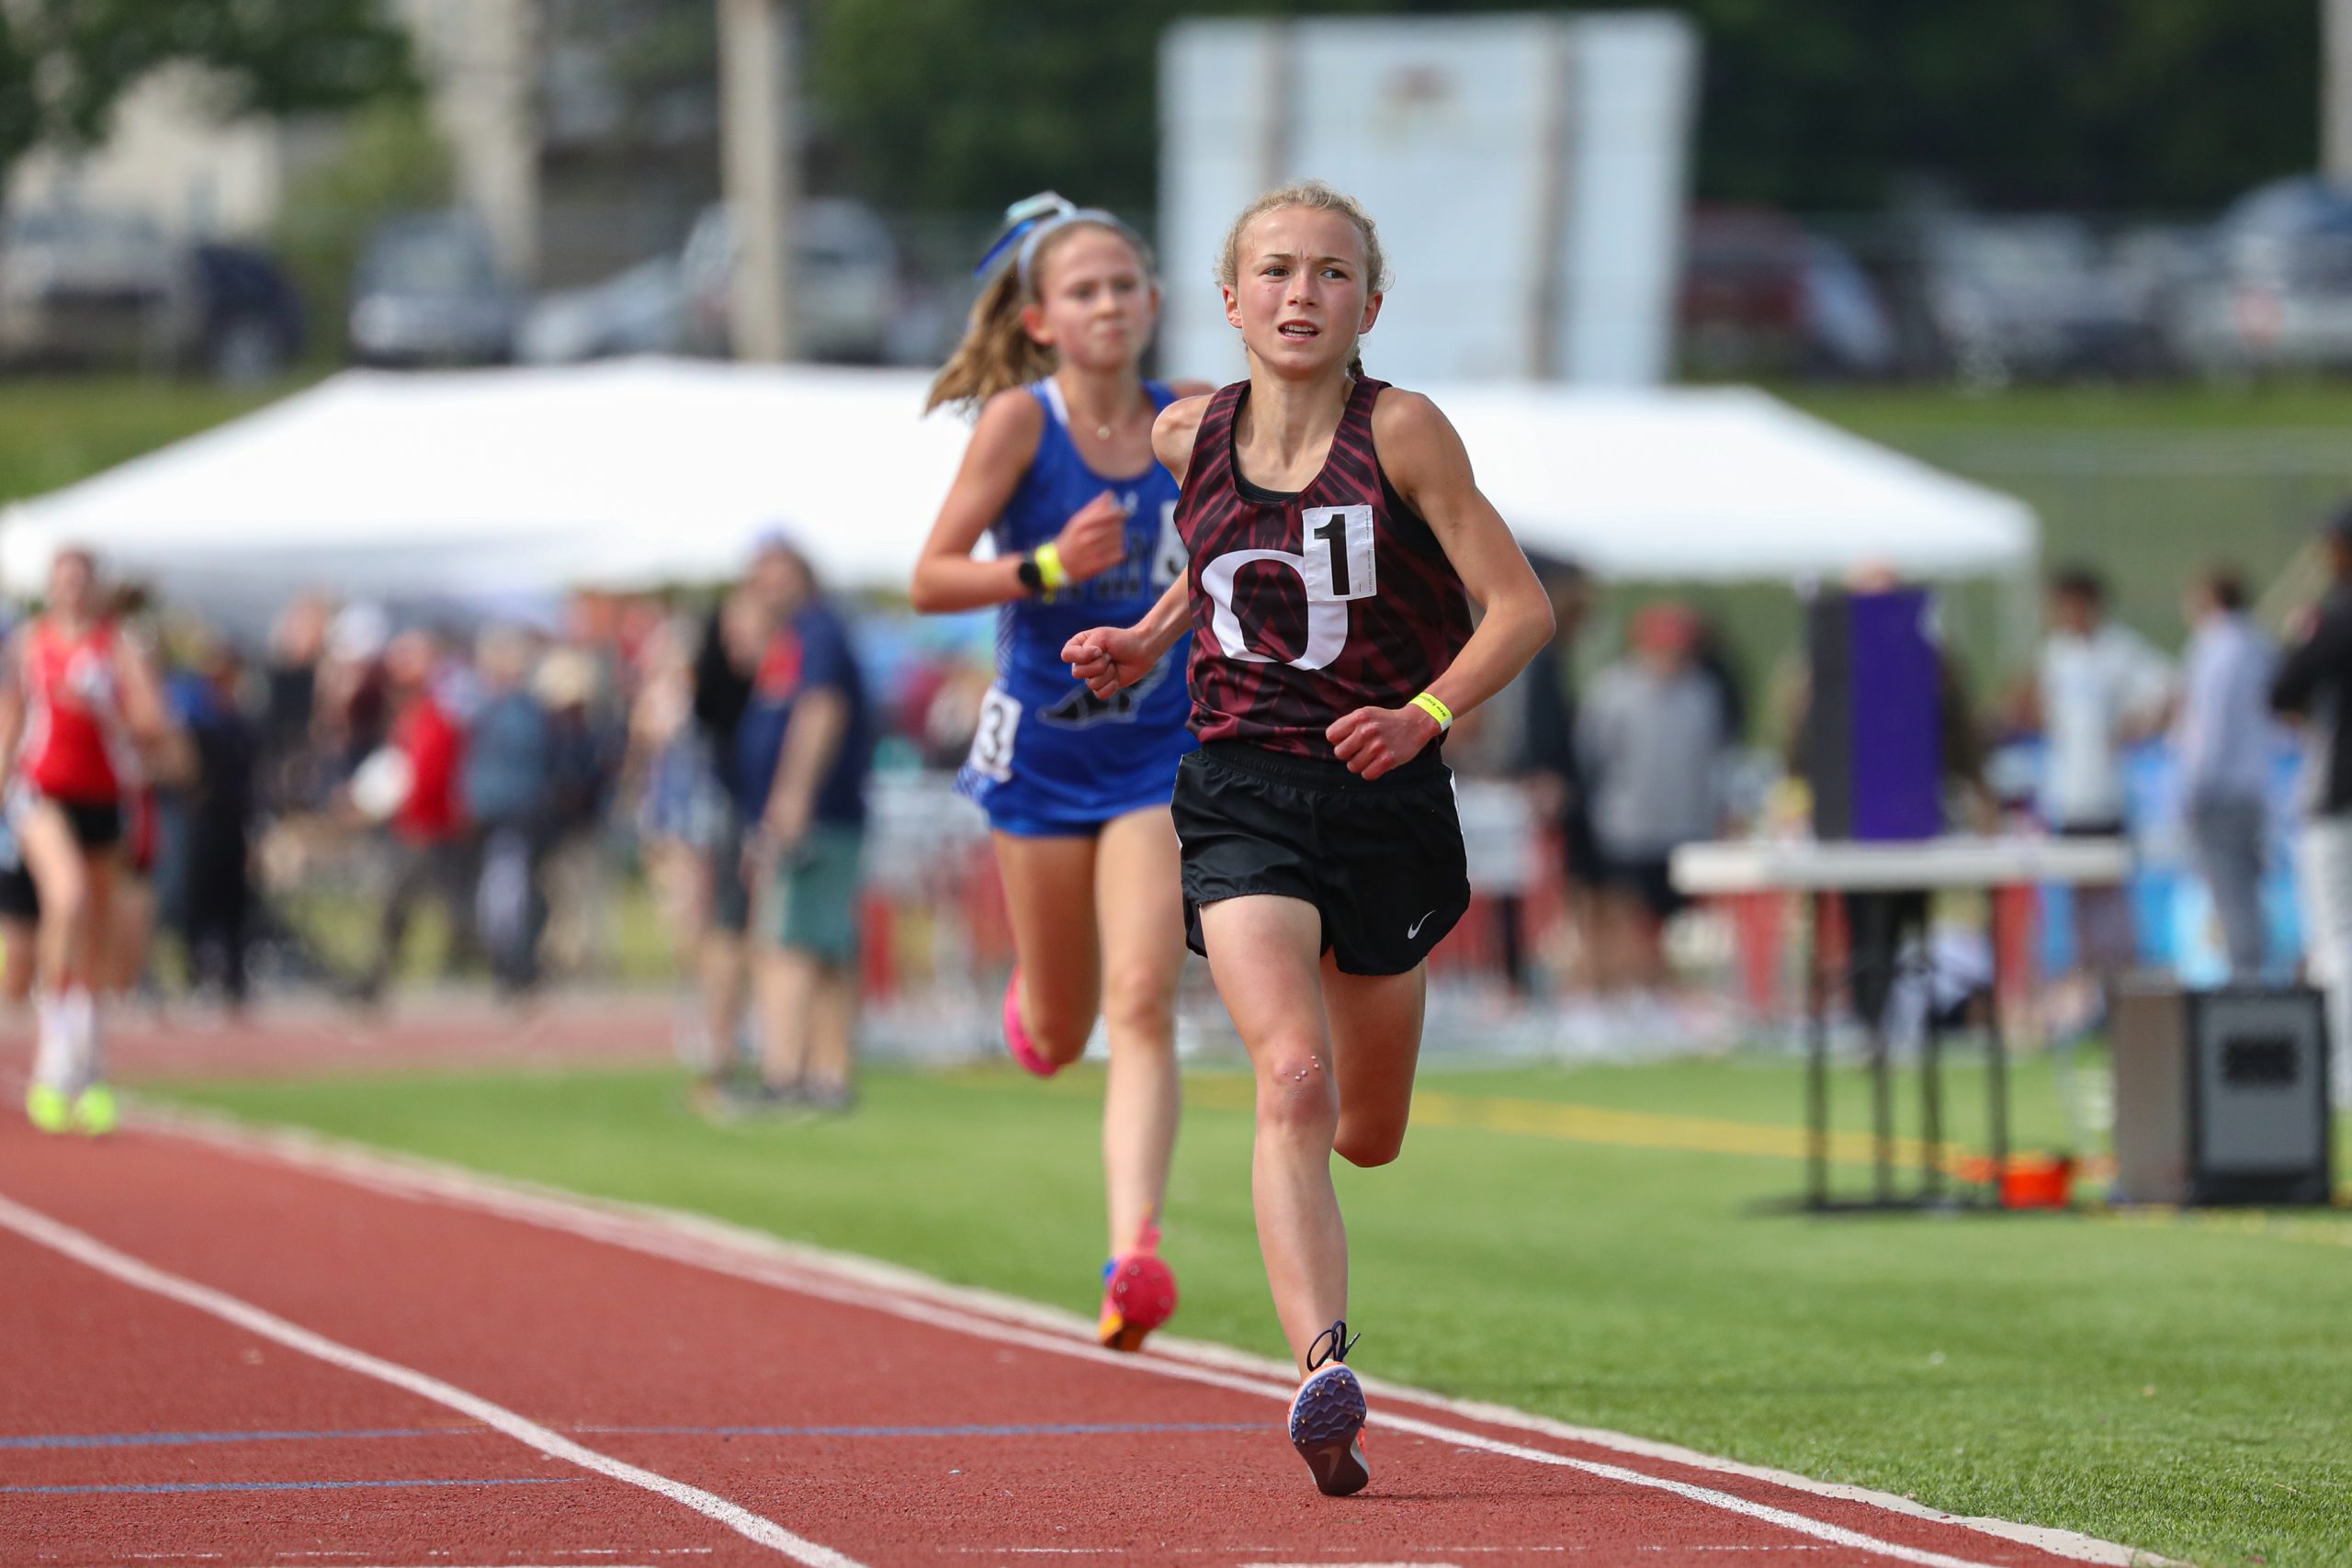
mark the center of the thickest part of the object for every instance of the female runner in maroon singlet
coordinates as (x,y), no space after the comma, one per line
(1337,541)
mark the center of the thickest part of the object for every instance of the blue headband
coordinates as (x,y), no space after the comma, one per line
(1038,216)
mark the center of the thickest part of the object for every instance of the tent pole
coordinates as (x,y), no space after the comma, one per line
(2021,611)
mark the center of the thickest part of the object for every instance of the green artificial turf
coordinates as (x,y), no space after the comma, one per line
(55,429)
(2181,1383)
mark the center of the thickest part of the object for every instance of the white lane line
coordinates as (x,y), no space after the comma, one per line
(846,1280)
(88,1250)
(1836,1535)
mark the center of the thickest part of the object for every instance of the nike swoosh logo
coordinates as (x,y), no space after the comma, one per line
(1415,929)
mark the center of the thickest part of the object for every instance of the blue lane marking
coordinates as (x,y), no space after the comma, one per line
(1043,1429)
(295,1485)
(177,1440)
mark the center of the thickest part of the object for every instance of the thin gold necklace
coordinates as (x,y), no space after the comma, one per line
(1101,433)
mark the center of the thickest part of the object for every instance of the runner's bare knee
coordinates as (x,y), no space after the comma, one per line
(1369,1141)
(1138,1004)
(1057,1021)
(1296,1097)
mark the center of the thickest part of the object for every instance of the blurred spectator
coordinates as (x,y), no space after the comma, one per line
(682,809)
(131,936)
(2101,689)
(430,845)
(2222,732)
(582,765)
(1885,923)
(1550,770)
(294,775)
(507,785)
(19,919)
(733,637)
(1711,655)
(802,755)
(214,908)
(19,899)
(355,703)
(2314,684)
(952,714)
(1653,740)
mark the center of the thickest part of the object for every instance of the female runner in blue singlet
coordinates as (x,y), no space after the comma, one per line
(1060,475)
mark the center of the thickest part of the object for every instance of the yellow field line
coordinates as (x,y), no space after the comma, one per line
(1569,1123)
(2237,1222)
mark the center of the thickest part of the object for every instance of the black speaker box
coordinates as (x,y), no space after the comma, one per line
(2221,1095)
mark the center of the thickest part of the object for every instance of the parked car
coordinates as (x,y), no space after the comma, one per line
(428,291)
(86,289)
(1760,294)
(844,302)
(82,288)
(845,282)
(251,327)
(2032,298)
(641,311)
(2274,289)
(845,295)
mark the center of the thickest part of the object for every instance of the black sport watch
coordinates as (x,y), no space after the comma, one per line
(1031,575)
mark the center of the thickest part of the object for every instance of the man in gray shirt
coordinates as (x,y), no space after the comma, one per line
(1653,740)
(2223,733)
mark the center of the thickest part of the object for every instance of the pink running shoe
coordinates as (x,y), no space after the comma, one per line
(1016,1038)
(1138,1293)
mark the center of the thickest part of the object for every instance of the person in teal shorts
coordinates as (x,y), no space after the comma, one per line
(802,755)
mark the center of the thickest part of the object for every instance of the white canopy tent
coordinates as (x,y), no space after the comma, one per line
(493,484)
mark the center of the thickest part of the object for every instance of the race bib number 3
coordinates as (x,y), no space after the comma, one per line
(992,742)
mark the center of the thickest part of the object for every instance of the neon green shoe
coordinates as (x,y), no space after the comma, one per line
(47,1108)
(94,1110)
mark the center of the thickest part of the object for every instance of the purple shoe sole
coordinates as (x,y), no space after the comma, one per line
(1326,1420)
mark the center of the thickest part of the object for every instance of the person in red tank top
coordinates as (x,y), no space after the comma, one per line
(82,718)
(1337,542)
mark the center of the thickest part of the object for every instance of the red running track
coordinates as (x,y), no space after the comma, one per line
(218,1352)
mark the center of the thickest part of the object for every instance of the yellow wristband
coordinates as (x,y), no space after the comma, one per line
(1436,710)
(1048,558)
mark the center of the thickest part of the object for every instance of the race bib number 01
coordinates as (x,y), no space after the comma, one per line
(992,742)
(1334,565)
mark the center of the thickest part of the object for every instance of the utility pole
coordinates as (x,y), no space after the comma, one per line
(759,153)
(2335,92)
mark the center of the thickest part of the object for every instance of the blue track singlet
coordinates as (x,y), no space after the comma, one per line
(1050,758)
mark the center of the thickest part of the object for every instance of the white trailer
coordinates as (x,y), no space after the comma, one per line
(1529,173)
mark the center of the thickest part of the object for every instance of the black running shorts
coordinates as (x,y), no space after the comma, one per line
(19,899)
(1381,858)
(95,824)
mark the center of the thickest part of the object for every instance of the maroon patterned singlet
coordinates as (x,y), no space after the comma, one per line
(1307,607)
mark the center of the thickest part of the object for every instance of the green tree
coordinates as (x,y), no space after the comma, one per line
(2101,104)
(64,65)
(389,158)
(965,104)
(1810,104)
